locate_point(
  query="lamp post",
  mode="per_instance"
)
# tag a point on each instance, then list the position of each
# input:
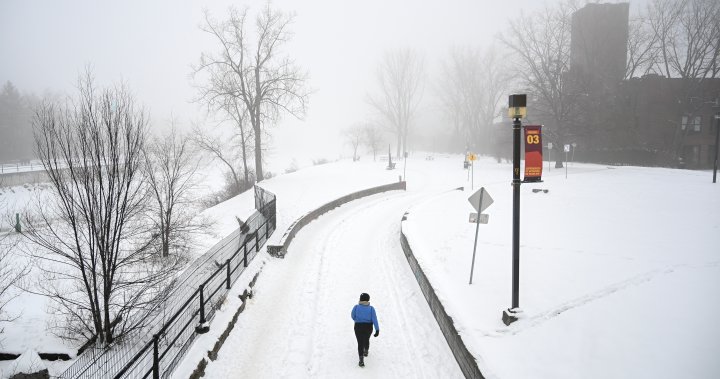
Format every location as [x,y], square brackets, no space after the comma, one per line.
[516,110]
[717,139]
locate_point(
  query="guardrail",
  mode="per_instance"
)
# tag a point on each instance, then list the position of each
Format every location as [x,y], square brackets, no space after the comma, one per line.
[169,339]
[280,249]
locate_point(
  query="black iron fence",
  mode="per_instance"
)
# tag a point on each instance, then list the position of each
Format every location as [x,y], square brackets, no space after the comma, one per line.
[191,304]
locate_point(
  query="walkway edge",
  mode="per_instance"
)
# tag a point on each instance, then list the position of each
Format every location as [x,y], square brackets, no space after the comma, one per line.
[466,361]
[280,249]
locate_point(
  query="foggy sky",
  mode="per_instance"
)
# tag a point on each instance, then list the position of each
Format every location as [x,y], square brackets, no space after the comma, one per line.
[44,45]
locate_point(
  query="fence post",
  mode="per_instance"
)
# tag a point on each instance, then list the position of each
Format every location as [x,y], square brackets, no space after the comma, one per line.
[227,263]
[245,254]
[202,304]
[156,358]
[201,327]
[257,241]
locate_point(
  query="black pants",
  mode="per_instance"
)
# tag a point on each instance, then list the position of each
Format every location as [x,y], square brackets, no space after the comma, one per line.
[362,334]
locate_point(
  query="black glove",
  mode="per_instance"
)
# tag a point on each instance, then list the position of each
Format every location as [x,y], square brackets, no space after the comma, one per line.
[377,333]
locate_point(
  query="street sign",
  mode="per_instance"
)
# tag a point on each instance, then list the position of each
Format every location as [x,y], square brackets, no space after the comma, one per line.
[484,218]
[566,148]
[549,145]
[480,200]
[472,157]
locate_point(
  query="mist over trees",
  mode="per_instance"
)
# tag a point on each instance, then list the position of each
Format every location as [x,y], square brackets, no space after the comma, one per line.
[15,124]
[250,75]
[472,83]
[400,78]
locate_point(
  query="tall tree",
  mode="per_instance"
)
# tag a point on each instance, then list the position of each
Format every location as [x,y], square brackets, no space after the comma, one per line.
[472,84]
[94,247]
[400,79]
[687,37]
[354,136]
[170,168]
[687,45]
[541,43]
[252,69]
[15,124]
[372,138]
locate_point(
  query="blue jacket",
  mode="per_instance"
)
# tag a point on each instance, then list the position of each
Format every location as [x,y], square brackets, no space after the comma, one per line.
[365,314]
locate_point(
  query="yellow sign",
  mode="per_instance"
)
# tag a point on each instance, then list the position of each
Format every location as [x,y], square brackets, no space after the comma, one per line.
[471,157]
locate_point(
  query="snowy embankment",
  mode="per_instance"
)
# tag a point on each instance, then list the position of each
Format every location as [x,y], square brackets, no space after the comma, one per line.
[619,272]
[300,192]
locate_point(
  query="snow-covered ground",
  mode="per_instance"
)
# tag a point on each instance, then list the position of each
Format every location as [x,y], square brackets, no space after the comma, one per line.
[619,276]
[620,272]
[298,323]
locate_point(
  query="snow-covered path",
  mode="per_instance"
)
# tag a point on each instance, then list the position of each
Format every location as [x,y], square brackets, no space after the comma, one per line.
[298,325]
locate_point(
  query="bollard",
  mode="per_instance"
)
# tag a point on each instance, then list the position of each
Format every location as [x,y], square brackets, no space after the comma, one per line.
[18,227]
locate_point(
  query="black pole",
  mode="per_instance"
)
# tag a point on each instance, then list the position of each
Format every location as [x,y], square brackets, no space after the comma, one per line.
[245,254]
[156,358]
[227,264]
[202,304]
[516,214]
[717,147]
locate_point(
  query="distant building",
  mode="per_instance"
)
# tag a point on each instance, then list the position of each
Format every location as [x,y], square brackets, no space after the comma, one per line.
[651,120]
[598,43]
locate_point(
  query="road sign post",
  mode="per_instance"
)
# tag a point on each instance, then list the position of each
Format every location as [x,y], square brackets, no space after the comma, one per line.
[480,200]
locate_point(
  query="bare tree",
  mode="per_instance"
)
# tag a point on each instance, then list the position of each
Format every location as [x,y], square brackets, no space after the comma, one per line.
[687,45]
[170,171]
[253,71]
[11,274]
[400,78]
[687,36]
[354,136]
[472,84]
[372,138]
[641,50]
[541,43]
[224,149]
[94,247]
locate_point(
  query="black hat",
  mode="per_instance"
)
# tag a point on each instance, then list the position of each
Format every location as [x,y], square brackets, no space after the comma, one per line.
[364,297]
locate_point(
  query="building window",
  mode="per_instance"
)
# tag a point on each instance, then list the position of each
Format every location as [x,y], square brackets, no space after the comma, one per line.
[691,123]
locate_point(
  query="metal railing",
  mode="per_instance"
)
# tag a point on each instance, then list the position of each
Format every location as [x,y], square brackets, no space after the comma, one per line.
[191,304]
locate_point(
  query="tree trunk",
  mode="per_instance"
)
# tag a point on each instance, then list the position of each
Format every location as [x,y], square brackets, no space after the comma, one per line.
[399,142]
[259,176]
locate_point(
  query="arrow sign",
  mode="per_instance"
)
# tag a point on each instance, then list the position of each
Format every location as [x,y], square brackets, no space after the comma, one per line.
[480,200]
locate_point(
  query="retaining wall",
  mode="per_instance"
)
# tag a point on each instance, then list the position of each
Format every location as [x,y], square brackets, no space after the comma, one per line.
[468,364]
[280,249]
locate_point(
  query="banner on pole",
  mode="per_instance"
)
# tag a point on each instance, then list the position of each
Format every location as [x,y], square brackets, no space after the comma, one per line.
[533,153]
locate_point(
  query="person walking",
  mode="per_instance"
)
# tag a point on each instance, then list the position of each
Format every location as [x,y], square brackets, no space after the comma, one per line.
[365,318]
